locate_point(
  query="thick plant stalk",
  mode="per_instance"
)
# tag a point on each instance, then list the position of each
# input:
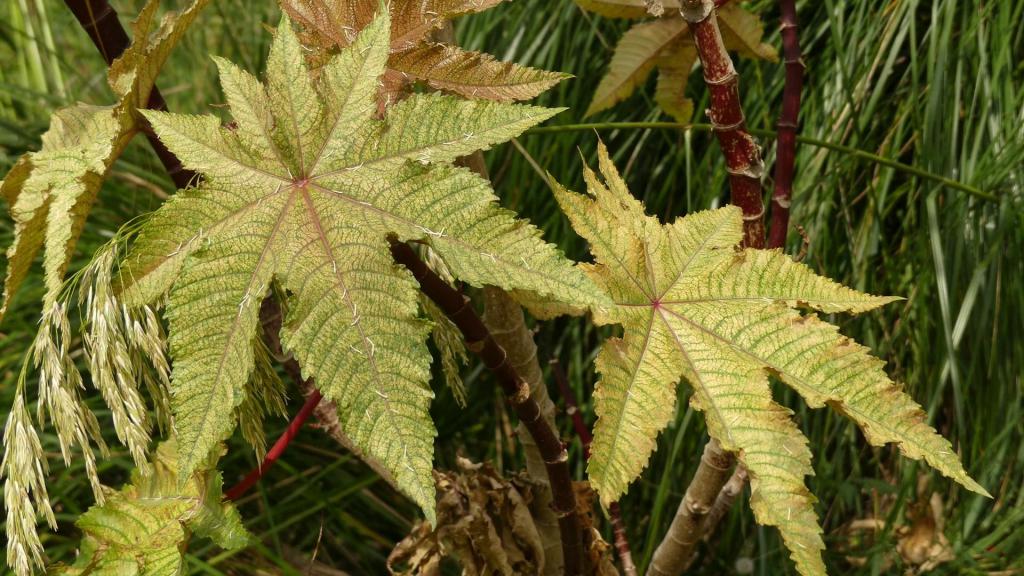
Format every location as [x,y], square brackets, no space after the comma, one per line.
[675,551]
[100,22]
[621,541]
[503,316]
[479,340]
[742,154]
[786,149]
[726,497]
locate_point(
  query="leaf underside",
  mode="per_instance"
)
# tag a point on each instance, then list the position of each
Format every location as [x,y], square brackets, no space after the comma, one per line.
[415,53]
[307,188]
[666,44]
[51,192]
[693,304]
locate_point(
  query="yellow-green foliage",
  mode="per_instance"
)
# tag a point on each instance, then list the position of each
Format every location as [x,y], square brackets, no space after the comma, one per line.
[665,43]
[50,192]
[694,305]
[144,528]
[306,188]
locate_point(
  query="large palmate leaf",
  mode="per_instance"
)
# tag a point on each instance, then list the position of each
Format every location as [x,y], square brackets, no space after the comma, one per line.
[693,304]
[144,528]
[50,192]
[307,188]
[414,55]
[666,44]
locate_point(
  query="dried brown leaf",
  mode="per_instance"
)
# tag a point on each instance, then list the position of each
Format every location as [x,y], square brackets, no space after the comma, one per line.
[483,522]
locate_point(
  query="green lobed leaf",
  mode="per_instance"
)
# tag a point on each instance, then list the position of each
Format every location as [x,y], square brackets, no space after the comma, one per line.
[693,304]
[145,527]
[308,188]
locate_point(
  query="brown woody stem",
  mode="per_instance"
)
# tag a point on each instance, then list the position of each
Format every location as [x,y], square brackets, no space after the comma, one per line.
[503,316]
[675,551]
[726,497]
[479,340]
[781,198]
[787,127]
[99,19]
[742,154]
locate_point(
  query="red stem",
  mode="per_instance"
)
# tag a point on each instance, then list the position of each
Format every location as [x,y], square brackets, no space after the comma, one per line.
[787,127]
[99,19]
[622,547]
[570,406]
[742,154]
[278,449]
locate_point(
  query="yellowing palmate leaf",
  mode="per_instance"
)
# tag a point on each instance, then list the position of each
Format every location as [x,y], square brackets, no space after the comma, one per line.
[693,304]
[50,192]
[307,189]
[666,44]
[414,55]
[144,527]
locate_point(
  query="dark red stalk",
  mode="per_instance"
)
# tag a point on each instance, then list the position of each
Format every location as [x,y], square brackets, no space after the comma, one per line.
[781,198]
[278,449]
[570,406]
[787,127]
[100,22]
[742,154]
[480,341]
[745,166]
[618,527]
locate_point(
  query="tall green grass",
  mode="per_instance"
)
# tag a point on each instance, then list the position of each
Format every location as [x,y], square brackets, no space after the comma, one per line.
[933,84]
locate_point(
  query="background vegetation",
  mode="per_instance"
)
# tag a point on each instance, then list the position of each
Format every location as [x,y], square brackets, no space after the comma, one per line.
[937,84]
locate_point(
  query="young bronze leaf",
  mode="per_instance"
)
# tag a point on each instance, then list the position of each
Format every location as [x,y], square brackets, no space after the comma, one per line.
[472,74]
[335,23]
[693,304]
[50,192]
[144,527]
[414,55]
[308,187]
[666,44]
